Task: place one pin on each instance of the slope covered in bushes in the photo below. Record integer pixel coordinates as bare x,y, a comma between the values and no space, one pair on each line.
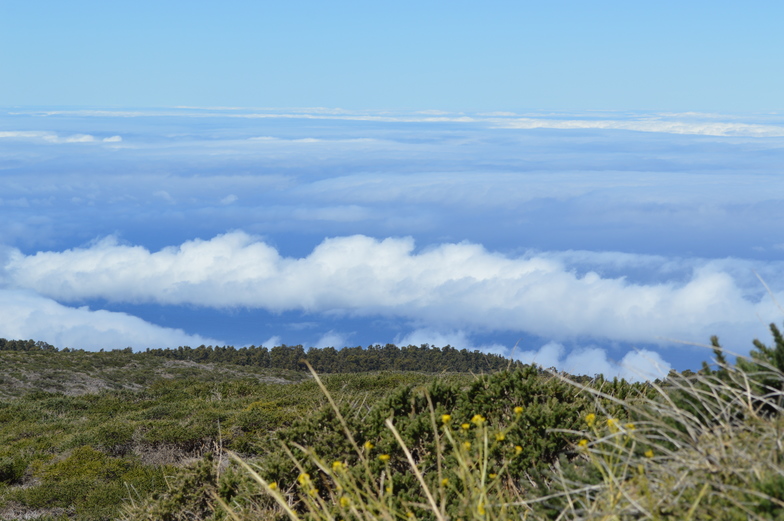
85,433
165,439
525,445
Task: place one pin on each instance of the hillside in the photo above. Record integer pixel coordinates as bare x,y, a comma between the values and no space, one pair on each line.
81,429
144,436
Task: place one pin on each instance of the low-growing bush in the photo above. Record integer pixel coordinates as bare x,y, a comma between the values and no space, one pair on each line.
89,483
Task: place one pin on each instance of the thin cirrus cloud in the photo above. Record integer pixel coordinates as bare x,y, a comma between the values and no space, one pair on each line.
688,123
53,137
660,125
446,286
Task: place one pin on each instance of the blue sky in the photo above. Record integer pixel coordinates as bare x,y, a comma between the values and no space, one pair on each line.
457,55
576,185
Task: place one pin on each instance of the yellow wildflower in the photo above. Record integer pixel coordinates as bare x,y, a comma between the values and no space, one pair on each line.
368,445
466,445
630,427
383,457
518,449
344,501
492,476
478,419
649,453
583,443
337,466
304,479
446,418
518,410
465,426
612,424
590,419
444,482
273,486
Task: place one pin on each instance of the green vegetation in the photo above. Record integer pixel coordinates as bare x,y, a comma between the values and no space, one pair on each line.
84,433
347,360
151,436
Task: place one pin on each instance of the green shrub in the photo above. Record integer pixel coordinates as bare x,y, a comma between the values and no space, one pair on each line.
12,469
89,482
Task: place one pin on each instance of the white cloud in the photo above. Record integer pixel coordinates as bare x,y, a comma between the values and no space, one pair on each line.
231,198
690,123
49,137
272,342
112,139
24,315
76,138
458,339
447,286
634,366
333,339
661,125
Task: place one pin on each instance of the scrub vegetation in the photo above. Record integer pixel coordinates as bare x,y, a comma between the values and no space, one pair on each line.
157,436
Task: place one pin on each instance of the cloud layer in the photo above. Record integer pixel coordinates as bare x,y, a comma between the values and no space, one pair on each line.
52,137
636,365
689,123
24,315
423,227
449,285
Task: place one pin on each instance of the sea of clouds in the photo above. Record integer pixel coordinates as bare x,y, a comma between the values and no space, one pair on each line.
597,239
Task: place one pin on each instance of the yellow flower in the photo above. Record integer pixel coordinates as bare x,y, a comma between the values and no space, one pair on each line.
480,509
518,449
389,490
337,466
273,486
612,424
304,479
518,410
649,453
466,445
446,418
465,426
478,419
313,492
583,443
444,482
492,476
344,501
590,419
383,457
368,445
630,427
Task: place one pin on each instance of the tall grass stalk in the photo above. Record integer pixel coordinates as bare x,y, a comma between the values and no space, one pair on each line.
708,446
705,445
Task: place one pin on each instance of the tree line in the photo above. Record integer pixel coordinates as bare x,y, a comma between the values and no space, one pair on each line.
347,360
358,359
